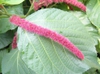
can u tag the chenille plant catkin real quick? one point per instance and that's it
(33, 28)
(41, 3)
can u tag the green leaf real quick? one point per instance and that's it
(1, 1)
(5, 39)
(13, 64)
(90, 5)
(45, 56)
(90, 27)
(98, 46)
(86, 22)
(99, 60)
(91, 71)
(11, 2)
(94, 14)
(2, 53)
(5, 25)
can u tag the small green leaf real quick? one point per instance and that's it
(5, 39)
(13, 64)
(94, 14)
(45, 56)
(11, 2)
(2, 53)
(5, 25)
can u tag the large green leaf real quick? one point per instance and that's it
(5, 39)
(94, 14)
(45, 56)
(2, 53)
(5, 25)
(11, 2)
(13, 64)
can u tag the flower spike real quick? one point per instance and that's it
(33, 28)
(48, 2)
(14, 43)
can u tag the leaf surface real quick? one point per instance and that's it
(45, 56)
(5, 39)
(13, 64)
(5, 25)
(94, 14)
(2, 53)
(86, 22)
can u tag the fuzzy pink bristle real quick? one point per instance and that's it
(61, 1)
(14, 43)
(81, 6)
(48, 2)
(45, 3)
(36, 5)
(56, 1)
(77, 4)
(31, 27)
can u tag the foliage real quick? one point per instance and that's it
(36, 54)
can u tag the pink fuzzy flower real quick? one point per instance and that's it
(56, 1)
(14, 43)
(48, 2)
(81, 6)
(45, 3)
(77, 4)
(61, 1)
(31, 27)
(36, 5)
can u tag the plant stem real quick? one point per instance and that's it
(99, 31)
(1, 6)
(4, 9)
(5, 13)
(53, 5)
(3, 16)
(30, 9)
